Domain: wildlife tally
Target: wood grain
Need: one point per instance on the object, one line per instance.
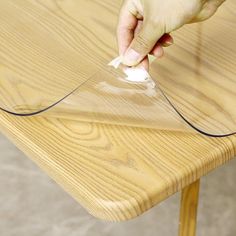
(49, 48)
(116, 172)
(188, 211)
(44, 53)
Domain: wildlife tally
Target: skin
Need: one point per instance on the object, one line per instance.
(144, 25)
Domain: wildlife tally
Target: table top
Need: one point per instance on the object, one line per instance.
(116, 172)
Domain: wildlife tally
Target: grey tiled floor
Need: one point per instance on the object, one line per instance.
(31, 204)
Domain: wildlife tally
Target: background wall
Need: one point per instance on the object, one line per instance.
(31, 204)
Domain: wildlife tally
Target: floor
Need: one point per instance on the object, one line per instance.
(33, 204)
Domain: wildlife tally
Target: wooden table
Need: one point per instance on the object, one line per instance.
(117, 172)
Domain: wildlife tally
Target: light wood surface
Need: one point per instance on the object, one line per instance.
(116, 172)
(48, 48)
(188, 210)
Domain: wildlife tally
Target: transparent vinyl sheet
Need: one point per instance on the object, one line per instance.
(193, 88)
(121, 96)
(42, 57)
(129, 96)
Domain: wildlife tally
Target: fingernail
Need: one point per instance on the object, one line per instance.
(168, 43)
(131, 57)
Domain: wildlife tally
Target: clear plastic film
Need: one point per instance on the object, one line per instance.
(121, 96)
(40, 62)
(192, 88)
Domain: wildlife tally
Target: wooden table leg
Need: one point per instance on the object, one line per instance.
(188, 211)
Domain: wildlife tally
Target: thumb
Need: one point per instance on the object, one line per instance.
(143, 43)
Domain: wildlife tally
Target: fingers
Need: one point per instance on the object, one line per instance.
(142, 44)
(137, 38)
(125, 29)
(157, 51)
(144, 63)
(166, 40)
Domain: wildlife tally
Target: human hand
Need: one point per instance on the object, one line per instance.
(144, 25)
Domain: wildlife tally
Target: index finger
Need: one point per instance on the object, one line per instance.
(125, 29)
